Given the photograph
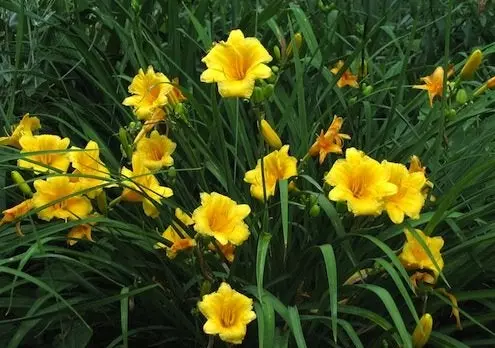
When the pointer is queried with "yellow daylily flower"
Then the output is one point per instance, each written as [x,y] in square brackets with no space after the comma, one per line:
[330,141]
[156,151]
[434,83]
[416,166]
[150,91]
[236,64]
[347,78]
[222,218]
[25,127]
[177,236]
[278,165]
[422,332]
[227,313]
[58,192]
[82,231]
[16,212]
[415,257]
[409,199]
[360,181]
[44,161]
[142,186]
[271,137]
[227,250]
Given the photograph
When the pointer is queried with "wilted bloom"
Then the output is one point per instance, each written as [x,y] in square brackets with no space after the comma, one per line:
[176,235]
[227,314]
[422,332]
[434,83]
[227,250]
[25,127]
[16,212]
[150,91]
[415,257]
[329,142]
[416,166]
[347,78]
[175,96]
[455,306]
[236,64]
[46,160]
[271,137]
[222,218]
[156,151]
[60,200]
[142,186]
[278,165]
[82,231]
[88,162]
[156,117]
[409,199]
[360,181]
[472,64]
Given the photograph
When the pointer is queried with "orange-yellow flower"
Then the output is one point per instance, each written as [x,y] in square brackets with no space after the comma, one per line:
[236,64]
[434,83]
[150,91]
[175,96]
[222,218]
[347,78]
[329,142]
[415,257]
[16,212]
[156,151]
[176,235]
[156,117]
[82,231]
[278,165]
[51,156]
[142,186]
[360,181]
[25,127]
[60,200]
[228,313]
[227,250]
[409,199]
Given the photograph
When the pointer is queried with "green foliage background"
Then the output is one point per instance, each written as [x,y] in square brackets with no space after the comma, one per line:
[70,63]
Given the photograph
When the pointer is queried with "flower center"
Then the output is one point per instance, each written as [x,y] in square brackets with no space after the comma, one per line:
[156,153]
[358,186]
[219,220]
[153,93]
[238,65]
[228,317]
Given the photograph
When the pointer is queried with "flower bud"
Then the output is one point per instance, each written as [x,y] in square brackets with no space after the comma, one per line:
[297,41]
[451,114]
[19,180]
[315,210]
[491,82]
[275,69]
[124,140]
[422,331]
[271,137]
[268,91]
[367,90]
[352,100]
[172,172]
[461,97]
[276,52]
[472,64]
[101,202]
[257,96]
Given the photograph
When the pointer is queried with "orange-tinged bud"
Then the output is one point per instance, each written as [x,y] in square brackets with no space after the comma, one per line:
[271,137]
[422,332]
[472,64]
[297,41]
[491,82]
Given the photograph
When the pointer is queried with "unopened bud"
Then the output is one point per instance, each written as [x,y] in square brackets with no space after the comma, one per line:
[171,172]
[472,64]
[276,52]
[315,210]
[296,41]
[101,202]
[21,183]
[275,69]
[257,96]
[205,288]
[179,108]
[268,91]
[451,114]
[271,137]
[367,90]
[124,140]
[422,332]
[461,97]
[352,100]
[491,82]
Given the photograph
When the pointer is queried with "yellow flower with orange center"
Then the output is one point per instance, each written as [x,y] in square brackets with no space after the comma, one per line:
[176,235]
[330,141]
[50,157]
[236,64]
[82,231]
[222,218]
[434,83]
[25,127]
[277,165]
[150,91]
[228,313]
[360,181]
[347,78]
[59,198]
[156,151]
[415,257]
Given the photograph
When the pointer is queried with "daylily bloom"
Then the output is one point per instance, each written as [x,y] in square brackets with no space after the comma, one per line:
[278,165]
[347,78]
[46,160]
[82,231]
[360,181]
[222,218]
[59,197]
[142,186]
[177,236]
[415,257]
[156,117]
[25,127]
[422,332]
[434,83]
[150,91]
[12,214]
[156,151]
[271,137]
[228,313]
[330,141]
[227,250]
[416,166]
[236,64]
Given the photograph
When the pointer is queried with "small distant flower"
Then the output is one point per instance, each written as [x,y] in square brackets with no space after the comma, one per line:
[46,160]
[271,137]
[16,212]
[278,165]
[82,231]
[222,218]
[347,78]
[236,64]
[409,199]
[177,236]
[434,83]
[25,127]
[472,64]
[330,141]
[360,181]
[415,257]
[227,250]
[228,313]
[422,332]
[156,151]
[142,186]
[150,91]
[60,197]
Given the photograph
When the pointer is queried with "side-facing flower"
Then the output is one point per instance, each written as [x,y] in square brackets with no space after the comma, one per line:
[156,118]
[434,83]
[236,64]
[156,151]
[25,127]
[227,250]
[330,141]
[409,199]
[60,199]
[271,137]
[277,165]
[227,313]
[222,218]
[360,181]
[142,186]
[51,155]
[82,231]
[176,235]
[347,78]
[415,257]
[149,91]
[16,212]
[175,96]
[422,332]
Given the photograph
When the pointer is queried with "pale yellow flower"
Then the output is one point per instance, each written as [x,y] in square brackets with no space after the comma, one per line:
[25,127]
[176,235]
[329,142]
[51,157]
[156,151]
[415,257]
[347,78]
[82,231]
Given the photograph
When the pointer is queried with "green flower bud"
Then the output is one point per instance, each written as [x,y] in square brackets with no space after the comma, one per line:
[315,210]
[179,108]
[205,288]
[257,96]
[275,69]
[21,183]
[276,52]
[461,97]
[352,100]
[367,90]
[268,91]
[451,114]
[171,172]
